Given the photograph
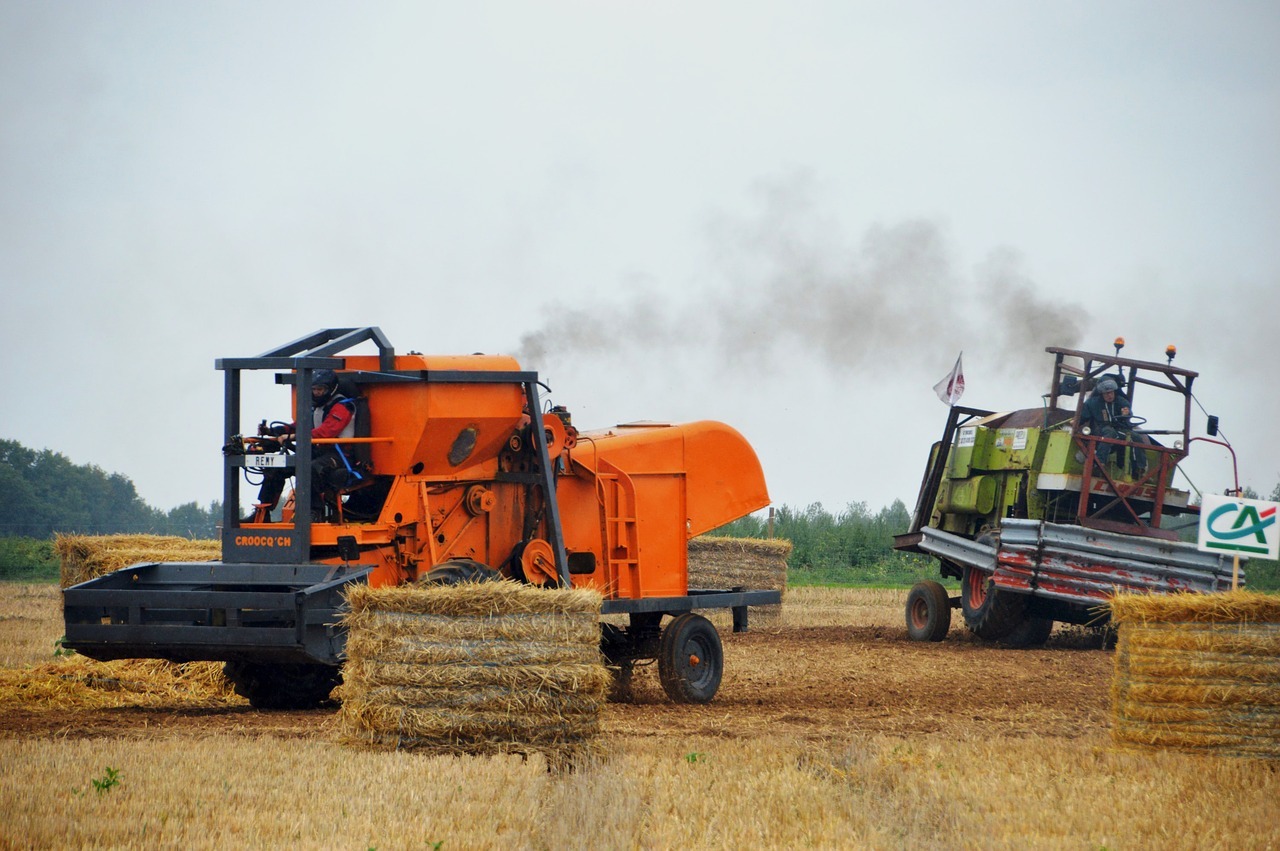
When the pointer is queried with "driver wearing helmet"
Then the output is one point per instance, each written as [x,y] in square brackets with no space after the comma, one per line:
[1106,413]
[333,416]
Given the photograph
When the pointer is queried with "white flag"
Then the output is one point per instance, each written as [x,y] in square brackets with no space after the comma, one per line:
[951,388]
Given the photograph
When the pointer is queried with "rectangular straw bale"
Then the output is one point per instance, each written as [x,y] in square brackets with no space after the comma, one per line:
[490,667]
[1198,672]
[87,556]
[757,564]
[1232,607]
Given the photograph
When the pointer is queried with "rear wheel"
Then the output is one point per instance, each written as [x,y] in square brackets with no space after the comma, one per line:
[1032,632]
[690,659]
[283,685]
[928,611]
[460,570]
[989,612]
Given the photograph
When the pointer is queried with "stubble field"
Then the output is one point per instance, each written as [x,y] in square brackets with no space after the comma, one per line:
[830,730]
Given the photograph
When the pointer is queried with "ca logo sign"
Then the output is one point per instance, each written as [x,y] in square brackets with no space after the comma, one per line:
[1244,526]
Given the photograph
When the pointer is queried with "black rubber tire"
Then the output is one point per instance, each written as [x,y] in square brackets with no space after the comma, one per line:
[1032,632]
[458,571]
[690,659]
[283,685]
[928,611]
[989,612]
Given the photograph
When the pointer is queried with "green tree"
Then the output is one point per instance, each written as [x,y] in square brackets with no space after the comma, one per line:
[43,492]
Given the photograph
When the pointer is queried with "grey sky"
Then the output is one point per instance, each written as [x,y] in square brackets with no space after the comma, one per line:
[789,217]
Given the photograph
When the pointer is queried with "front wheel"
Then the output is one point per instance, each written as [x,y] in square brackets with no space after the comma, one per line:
[989,612]
[283,685]
[690,659]
[928,611]
[459,570]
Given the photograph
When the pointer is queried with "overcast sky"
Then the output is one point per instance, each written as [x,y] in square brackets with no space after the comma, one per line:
[789,217]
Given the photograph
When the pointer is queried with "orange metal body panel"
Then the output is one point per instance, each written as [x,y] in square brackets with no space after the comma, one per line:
[638,493]
[629,498]
[428,420]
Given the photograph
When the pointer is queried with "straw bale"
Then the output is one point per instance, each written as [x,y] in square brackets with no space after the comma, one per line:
[1198,673]
[758,564]
[87,556]
[1232,607]
[491,667]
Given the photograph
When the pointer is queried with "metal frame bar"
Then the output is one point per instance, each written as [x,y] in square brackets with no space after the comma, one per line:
[211,610]
[1167,458]
[554,531]
[696,599]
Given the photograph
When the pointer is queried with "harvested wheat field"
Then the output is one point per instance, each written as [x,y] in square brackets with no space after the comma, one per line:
[830,730]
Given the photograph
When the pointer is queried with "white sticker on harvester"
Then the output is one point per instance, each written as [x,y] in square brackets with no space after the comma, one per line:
[1020,438]
[968,436]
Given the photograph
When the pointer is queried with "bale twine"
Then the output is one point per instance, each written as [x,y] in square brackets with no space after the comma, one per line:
[476,668]
[1198,672]
[86,556]
[750,563]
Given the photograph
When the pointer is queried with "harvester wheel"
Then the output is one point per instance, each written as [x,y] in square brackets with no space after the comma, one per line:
[928,611]
[458,571]
[989,612]
[1032,632]
[283,685]
[690,659]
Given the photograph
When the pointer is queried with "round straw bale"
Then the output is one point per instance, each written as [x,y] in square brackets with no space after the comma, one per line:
[490,667]
[1198,672]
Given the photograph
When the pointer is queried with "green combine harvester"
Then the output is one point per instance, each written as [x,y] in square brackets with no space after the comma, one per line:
[1043,514]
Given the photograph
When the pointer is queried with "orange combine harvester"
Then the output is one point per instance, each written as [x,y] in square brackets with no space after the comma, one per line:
[453,473]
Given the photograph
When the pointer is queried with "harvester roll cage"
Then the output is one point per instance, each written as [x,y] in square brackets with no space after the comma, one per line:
[316,351]
[1069,379]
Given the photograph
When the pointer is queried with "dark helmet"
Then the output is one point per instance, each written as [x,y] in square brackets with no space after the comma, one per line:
[324,378]
[1108,385]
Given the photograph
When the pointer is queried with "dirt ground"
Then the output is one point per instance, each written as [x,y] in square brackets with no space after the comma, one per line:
[808,681]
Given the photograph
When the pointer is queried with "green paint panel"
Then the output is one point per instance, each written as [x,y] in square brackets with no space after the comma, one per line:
[968,496]
[1059,454]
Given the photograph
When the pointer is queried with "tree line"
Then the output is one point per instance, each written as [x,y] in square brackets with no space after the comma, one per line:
[854,544]
[43,492]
